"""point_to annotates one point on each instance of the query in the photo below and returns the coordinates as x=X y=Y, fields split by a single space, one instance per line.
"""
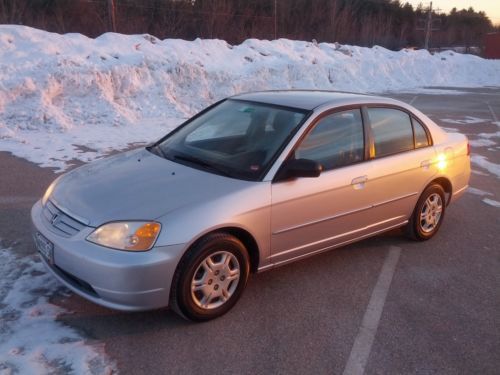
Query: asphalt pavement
x=385 y=305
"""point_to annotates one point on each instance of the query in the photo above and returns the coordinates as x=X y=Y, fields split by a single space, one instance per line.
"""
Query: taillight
x=468 y=148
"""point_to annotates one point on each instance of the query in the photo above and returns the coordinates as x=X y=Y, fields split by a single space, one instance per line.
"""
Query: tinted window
x=421 y=139
x=392 y=131
x=335 y=141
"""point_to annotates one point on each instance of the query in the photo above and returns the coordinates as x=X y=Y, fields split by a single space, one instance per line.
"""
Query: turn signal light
x=144 y=236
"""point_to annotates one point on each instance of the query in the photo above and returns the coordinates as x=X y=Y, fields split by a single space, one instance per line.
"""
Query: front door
x=311 y=214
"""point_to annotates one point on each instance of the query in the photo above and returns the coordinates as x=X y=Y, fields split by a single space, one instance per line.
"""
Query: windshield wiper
x=157 y=151
x=202 y=163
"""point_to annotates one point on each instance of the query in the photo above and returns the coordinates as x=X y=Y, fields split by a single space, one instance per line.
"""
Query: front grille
x=62 y=223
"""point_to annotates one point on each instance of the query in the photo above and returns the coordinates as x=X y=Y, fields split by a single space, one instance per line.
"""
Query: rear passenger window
x=421 y=139
x=336 y=140
x=392 y=131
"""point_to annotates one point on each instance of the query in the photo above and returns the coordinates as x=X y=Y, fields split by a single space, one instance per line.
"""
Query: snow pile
x=31 y=339
x=475 y=191
x=482 y=193
x=491 y=202
x=478 y=141
x=482 y=142
x=484 y=163
x=466 y=120
x=115 y=90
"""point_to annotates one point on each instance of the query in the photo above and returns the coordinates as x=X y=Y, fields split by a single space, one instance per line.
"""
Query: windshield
x=235 y=138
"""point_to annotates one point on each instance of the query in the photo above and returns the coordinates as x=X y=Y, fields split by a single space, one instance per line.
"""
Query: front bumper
x=121 y=280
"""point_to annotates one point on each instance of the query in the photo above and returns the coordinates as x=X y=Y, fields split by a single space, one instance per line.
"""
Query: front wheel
x=211 y=277
x=428 y=214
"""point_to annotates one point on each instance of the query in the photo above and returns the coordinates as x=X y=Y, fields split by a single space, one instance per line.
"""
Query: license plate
x=45 y=247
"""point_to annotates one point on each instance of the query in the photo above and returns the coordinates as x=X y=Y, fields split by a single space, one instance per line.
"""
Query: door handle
x=425 y=164
x=359 y=182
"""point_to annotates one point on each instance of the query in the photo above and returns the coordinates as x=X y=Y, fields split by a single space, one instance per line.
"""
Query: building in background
x=492 y=45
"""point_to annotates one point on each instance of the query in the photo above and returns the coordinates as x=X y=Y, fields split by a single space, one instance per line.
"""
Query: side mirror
x=295 y=168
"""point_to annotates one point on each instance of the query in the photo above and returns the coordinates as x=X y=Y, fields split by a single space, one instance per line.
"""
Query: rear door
x=401 y=163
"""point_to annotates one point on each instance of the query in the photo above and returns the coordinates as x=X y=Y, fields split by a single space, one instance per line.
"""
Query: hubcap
x=215 y=280
x=431 y=213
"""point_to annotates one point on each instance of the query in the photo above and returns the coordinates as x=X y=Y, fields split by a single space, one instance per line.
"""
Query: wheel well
x=250 y=244
x=446 y=185
x=247 y=240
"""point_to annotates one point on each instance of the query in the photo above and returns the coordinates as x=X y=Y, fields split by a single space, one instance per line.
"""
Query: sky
x=490 y=7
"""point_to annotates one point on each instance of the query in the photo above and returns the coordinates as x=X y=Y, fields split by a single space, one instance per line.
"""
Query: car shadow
x=352 y=265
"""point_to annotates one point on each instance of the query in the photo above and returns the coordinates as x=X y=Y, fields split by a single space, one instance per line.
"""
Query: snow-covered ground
x=65 y=97
x=489 y=140
x=32 y=341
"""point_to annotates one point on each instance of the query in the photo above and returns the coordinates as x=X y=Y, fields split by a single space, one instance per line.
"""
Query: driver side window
x=335 y=141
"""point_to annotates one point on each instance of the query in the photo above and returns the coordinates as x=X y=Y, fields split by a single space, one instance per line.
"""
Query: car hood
x=136 y=185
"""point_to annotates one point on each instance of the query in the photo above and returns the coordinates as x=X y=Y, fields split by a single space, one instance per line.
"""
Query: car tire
x=210 y=277
x=428 y=214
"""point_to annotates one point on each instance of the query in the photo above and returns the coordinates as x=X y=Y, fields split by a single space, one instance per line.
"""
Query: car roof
x=309 y=99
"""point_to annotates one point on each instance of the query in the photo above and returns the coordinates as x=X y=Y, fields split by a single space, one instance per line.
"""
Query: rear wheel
x=428 y=214
x=211 y=277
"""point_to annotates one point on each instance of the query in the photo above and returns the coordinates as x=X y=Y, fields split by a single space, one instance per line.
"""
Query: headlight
x=49 y=191
x=126 y=235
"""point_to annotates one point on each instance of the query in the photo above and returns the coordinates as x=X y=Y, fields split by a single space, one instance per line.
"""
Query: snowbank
x=114 y=90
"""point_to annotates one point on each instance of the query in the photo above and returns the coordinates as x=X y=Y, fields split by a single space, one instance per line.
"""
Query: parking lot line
x=361 y=348
x=495 y=118
x=413 y=99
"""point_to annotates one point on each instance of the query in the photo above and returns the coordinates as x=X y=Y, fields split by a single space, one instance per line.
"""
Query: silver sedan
x=252 y=182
